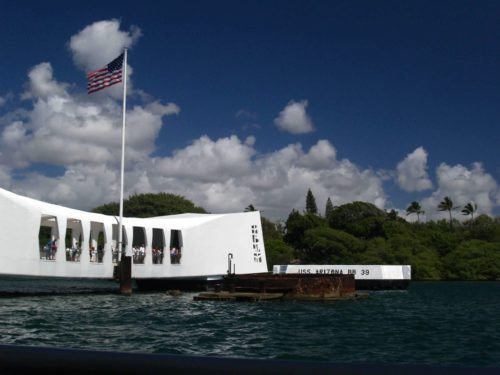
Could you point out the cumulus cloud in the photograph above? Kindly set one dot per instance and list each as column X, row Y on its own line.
column 412, row 172
column 463, row 185
column 286, row 174
column 228, row 174
column 321, row 156
column 64, row 131
column 5, row 177
column 208, row 161
column 294, row 119
column 100, row 42
column 4, row 99
column 81, row 186
column 222, row 175
column 42, row 85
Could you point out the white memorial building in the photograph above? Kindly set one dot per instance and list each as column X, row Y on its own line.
column 47, row 240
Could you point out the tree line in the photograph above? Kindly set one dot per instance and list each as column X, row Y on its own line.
column 361, row 233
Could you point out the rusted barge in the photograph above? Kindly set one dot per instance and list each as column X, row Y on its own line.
column 259, row 287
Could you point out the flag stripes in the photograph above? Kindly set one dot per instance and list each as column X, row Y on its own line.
column 105, row 77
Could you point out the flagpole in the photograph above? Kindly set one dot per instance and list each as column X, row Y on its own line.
column 126, row 261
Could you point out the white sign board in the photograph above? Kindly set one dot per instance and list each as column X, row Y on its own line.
column 360, row 272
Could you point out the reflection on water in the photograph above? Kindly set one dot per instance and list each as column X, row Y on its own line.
column 431, row 323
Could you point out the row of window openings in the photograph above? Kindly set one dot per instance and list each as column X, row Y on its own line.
column 49, row 242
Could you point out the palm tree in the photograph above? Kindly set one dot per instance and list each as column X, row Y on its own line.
column 469, row 209
column 415, row 208
column 446, row 205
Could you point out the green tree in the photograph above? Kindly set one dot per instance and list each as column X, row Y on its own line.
column 311, row 207
column 426, row 265
column 474, row 260
column 415, row 208
column 367, row 227
column 296, row 225
column 441, row 241
column 330, row 246
column 485, row 228
column 346, row 216
column 328, row 208
column 151, row 205
column 446, row 205
column 396, row 227
column 393, row 215
column 278, row 252
column 375, row 252
column 270, row 230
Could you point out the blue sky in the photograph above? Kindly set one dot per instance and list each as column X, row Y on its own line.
column 232, row 103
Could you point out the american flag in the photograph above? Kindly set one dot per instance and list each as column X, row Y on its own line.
column 105, row 77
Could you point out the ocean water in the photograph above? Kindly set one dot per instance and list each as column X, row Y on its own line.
column 435, row 323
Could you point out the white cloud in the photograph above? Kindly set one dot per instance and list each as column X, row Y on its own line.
column 62, row 129
column 463, row 185
column 322, row 155
column 412, row 172
column 228, row 174
column 208, row 161
column 81, row 186
column 42, row 85
column 6, row 98
column 250, row 140
column 221, row 175
column 294, row 119
column 13, row 134
column 101, row 42
column 5, row 178
column 163, row 109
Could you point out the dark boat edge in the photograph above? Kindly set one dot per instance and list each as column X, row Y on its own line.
column 36, row 360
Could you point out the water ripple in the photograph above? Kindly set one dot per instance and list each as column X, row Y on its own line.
column 431, row 323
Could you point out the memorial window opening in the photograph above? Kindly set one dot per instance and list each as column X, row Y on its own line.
column 158, row 245
column 138, row 245
column 72, row 240
column 175, row 246
column 48, row 237
column 97, row 241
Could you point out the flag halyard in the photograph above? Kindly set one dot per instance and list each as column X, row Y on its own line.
column 102, row 78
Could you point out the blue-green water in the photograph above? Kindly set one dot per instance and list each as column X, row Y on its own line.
column 440, row 323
